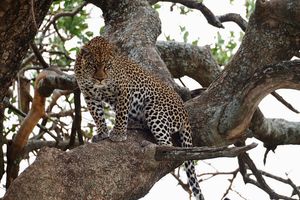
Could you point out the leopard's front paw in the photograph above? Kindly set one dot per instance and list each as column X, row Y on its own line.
column 99, row 137
column 117, row 137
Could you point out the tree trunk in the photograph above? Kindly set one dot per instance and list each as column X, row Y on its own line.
column 221, row 115
column 19, row 22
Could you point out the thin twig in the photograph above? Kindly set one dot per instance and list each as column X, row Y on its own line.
column 39, row 55
column 259, row 182
column 184, row 186
column 284, row 102
column 182, row 82
column 33, row 15
column 22, row 114
column 233, row 17
column 235, row 172
column 65, row 14
column 210, row 17
column 280, row 179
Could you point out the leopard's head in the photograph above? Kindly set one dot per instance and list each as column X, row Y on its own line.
column 94, row 60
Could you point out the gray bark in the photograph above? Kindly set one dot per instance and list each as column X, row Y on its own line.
column 220, row 116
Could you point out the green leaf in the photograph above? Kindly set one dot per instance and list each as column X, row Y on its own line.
column 223, row 52
column 89, row 33
column 185, row 36
column 156, row 6
column 195, row 42
column 168, row 38
column 101, row 30
column 250, row 6
column 184, row 10
column 182, row 28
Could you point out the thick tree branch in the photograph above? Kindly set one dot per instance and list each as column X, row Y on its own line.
column 267, row 39
column 58, row 80
column 265, row 80
column 186, row 59
column 34, row 145
column 75, row 167
column 72, row 175
column 275, row 132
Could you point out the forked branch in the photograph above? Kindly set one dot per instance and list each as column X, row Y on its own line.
column 285, row 74
column 245, row 162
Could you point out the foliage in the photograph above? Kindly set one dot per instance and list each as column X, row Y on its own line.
column 250, row 5
column 70, row 27
column 222, row 50
column 63, row 31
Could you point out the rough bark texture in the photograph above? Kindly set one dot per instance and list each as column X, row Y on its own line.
column 190, row 60
column 268, row 39
column 218, row 117
column 87, row 172
column 18, row 26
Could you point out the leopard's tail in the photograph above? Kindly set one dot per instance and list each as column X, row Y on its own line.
column 192, row 179
column 186, row 141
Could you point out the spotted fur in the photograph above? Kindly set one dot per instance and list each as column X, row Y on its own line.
column 103, row 75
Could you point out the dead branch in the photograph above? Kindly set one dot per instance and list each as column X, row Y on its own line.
column 284, row 102
column 198, row 153
column 185, row 186
column 234, row 174
column 259, row 182
column 36, row 112
column 63, row 113
column 280, row 179
column 57, row 81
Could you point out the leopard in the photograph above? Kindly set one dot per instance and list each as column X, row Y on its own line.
column 106, row 76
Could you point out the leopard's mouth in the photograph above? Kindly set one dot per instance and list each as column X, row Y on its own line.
column 100, row 81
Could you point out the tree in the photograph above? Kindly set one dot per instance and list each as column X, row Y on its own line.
column 225, row 113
